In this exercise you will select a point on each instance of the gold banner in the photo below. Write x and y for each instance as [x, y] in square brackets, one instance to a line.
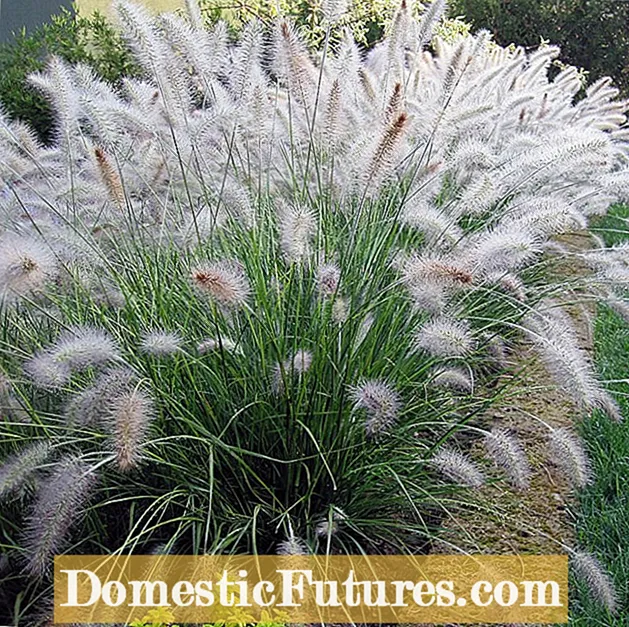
[313, 589]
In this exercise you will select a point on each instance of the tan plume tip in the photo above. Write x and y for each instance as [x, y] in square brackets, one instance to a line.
[111, 178]
[224, 281]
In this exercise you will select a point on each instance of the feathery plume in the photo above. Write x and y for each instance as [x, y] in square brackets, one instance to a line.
[297, 227]
[194, 14]
[75, 350]
[214, 344]
[425, 267]
[381, 403]
[429, 296]
[6, 386]
[606, 403]
[333, 10]
[328, 279]
[568, 364]
[298, 364]
[110, 177]
[458, 468]
[326, 527]
[502, 250]
[443, 337]
[455, 379]
[27, 266]
[507, 453]
[224, 281]
[497, 351]
[292, 546]
[395, 104]
[61, 498]
[569, 455]
[161, 343]
[593, 574]
[129, 419]
[429, 20]
[363, 330]
[437, 225]
[383, 154]
[89, 407]
[17, 469]
[291, 62]
[340, 310]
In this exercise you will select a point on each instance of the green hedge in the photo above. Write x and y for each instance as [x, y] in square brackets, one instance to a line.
[92, 40]
[593, 34]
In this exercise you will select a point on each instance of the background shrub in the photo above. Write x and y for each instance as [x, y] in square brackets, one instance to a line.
[592, 35]
[76, 39]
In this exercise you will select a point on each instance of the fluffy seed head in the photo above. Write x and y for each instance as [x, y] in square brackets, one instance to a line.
[340, 310]
[503, 250]
[297, 228]
[592, 573]
[296, 365]
[18, 468]
[606, 403]
[333, 10]
[89, 407]
[111, 178]
[215, 344]
[129, 420]
[161, 343]
[421, 268]
[326, 527]
[5, 386]
[458, 468]
[455, 379]
[75, 350]
[26, 267]
[300, 362]
[225, 282]
[443, 337]
[568, 364]
[292, 546]
[328, 279]
[507, 453]
[429, 296]
[568, 454]
[381, 404]
[60, 500]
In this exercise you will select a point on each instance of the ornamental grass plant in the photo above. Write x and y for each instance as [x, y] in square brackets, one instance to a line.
[257, 299]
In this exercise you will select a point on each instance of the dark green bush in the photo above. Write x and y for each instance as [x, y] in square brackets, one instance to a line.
[92, 40]
[593, 34]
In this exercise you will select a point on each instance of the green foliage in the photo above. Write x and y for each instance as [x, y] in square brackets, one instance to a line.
[592, 35]
[603, 523]
[91, 40]
[367, 18]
